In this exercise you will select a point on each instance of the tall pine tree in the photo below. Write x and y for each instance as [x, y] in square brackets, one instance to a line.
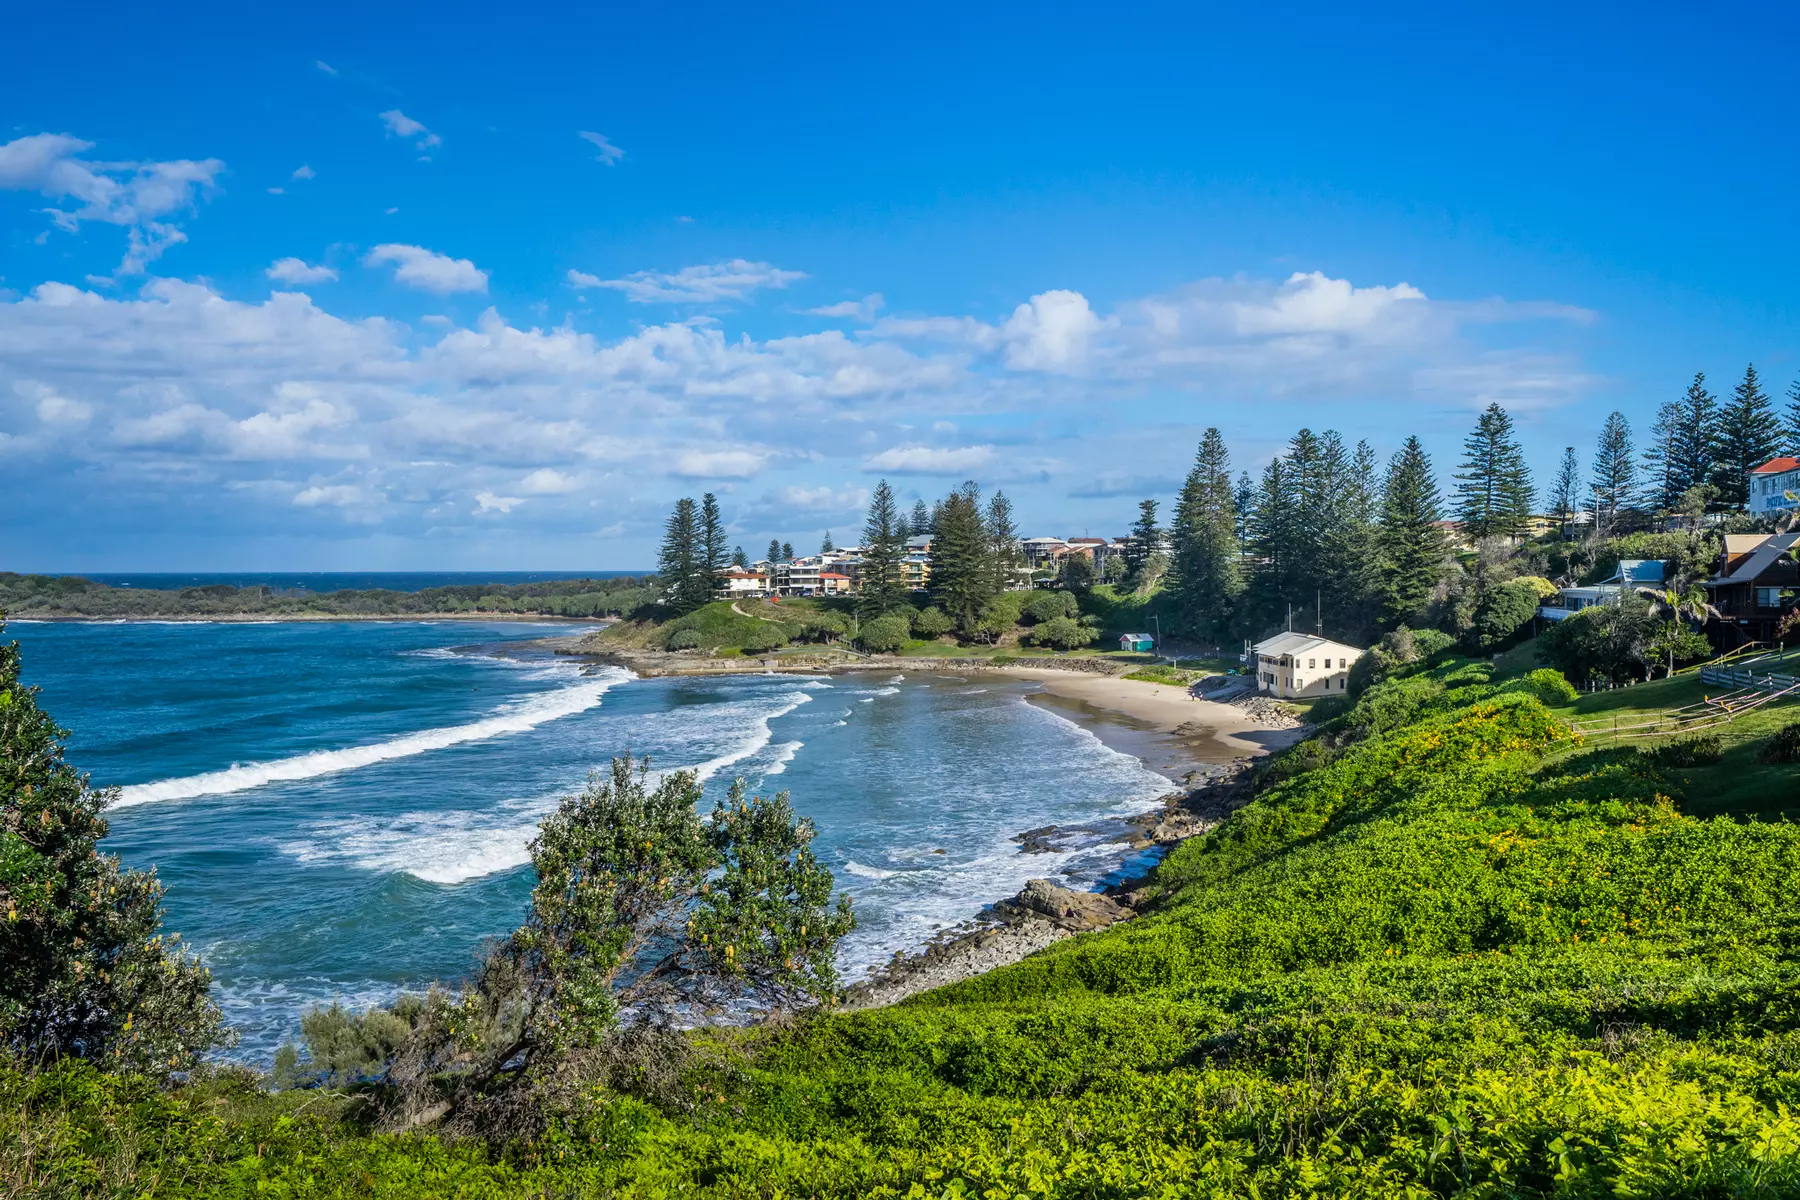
[1749, 436]
[1662, 486]
[961, 578]
[1413, 549]
[1566, 491]
[1614, 474]
[677, 565]
[1271, 528]
[1349, 584]
[1142, 544]
[1004, 555]
[1493, 488]
[1696, 440]
[881, 589]
[921, 518]
[1206, 578]
[774, 551]
[1793, 418]
[711, 555]
[1243, 500]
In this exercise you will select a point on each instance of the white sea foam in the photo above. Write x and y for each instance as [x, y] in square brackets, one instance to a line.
[758, 737]
[852, 867]
[436, 847]
[784, 754]
[516, 717]
[886, 691]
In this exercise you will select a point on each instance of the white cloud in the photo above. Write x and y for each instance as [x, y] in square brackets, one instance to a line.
[931, 460]
[277, 191]
[719, 464]
[582, 279]
[1052, 332]
[325, 66]
[822, 499]
[340, 495]
[548, 481]
[427, 270]
[857, 310]
[52, 407]
[489, 502]
[607, 152]
[304, 172]
[1313, 303]
[135, 195]
[731, 280]
[294, 270]
[401, 125]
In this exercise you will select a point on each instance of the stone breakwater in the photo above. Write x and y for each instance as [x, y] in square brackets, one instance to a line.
[1043, 912]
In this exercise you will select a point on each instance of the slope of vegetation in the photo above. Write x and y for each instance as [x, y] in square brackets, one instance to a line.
[1448, 950]
[72, 596]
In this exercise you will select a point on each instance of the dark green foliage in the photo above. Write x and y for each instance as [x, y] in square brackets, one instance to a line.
[764, 635]
[1749, 434]
[1004, 556]
[884, 635]
[881, 589]
[824, 627]
[1061, 633]
[73, 596]
[1564, 500]
[931, 623]
[962, 573]
[1047, 606]
[682, 639]
[1205, 577]
[1663, 484]
[1695, 441]
[677, 564]
[1615, 473]
[1493, 489]
[1700, 750]
[1609, 642]
[85, 969]
[1412, 549]
[718, 626]
[1784, 747]
[1142, 543]
[1503, 615]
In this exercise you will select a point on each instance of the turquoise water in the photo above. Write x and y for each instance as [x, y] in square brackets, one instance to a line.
[342, 810]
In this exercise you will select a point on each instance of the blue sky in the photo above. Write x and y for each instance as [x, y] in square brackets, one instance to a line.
[446, 287]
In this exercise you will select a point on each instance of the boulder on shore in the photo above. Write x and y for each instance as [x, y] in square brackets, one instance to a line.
[1069, 909]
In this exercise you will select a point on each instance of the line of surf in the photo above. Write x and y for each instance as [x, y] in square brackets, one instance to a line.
[522, 716]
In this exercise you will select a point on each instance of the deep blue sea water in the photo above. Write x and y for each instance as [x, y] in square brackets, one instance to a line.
[341, 810]
[331, 581]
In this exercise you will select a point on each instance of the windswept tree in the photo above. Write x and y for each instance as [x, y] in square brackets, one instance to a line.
[1493, 487]
[85, 969]
[1413, 550]
[1749, 435]
[1566, 491]
[1145, 536]
[1205, 575]
[881, 589]
[1614, 474]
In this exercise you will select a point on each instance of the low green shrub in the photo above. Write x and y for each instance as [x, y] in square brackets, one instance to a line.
[1047, 606]
[1061, 633]
[932, 622]
[1784, 747]
[766, 636]
[683, 639]
[1700, 750]
[884, 635]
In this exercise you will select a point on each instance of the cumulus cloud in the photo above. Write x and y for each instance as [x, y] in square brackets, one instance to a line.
[294, 270]
[822, 499]
[304, 172]
[606, 151]
[135, 195]
[731, 280]
[401, 125]
[427, 270]
[856, 310]
[548, 481]
[582, 279]
[931, 460]
[489, 502]
[719, 464]
[1052, 332]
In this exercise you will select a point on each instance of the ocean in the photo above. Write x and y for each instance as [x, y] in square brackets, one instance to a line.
[341, 811]
[331, 581]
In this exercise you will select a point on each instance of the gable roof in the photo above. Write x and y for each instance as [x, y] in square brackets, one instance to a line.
[1777, 465]
[1298, 643]
[1760, 560]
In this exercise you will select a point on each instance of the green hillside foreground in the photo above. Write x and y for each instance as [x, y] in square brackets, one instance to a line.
[1468, 955]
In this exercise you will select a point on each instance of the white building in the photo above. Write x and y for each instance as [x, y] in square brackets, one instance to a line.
[1774, 485]
[739, 583]
[1300, 665]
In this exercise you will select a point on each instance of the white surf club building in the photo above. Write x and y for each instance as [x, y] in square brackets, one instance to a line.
[1300, 665]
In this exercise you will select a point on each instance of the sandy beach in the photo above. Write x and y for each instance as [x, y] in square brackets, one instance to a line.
[1170, 729]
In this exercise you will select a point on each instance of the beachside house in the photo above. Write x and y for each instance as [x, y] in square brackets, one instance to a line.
[1774, 486]
[834, 583]
[1758, 580]
[1629, 575]
[1296, 665]
[738, 582]
[1139, 642]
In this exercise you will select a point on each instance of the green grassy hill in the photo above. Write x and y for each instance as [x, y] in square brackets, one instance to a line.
[1466, 953]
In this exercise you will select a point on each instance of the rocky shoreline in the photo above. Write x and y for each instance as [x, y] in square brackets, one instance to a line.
[1043, 912]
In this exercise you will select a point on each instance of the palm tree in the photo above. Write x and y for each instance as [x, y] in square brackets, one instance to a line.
[1675, 606]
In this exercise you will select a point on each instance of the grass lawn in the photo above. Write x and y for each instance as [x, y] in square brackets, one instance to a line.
[1738, 784]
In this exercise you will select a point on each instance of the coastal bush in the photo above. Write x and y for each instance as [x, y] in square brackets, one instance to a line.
[1047, 606]
[1700, 750]
[1503, 614]
[1784, 747]
[766, 636]
[1061, 633]
[931, 623]
[884, 635]
[683, 639]
[85, 968]
[824, 627]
